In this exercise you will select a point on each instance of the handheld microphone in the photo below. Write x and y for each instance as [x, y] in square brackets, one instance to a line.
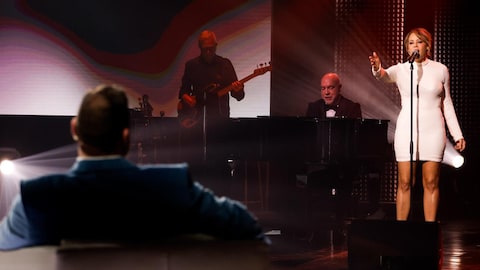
[415, 54]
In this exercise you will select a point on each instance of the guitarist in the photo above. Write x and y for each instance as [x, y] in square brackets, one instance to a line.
[203, 75]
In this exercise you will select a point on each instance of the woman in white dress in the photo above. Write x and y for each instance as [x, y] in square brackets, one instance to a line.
[432, 108]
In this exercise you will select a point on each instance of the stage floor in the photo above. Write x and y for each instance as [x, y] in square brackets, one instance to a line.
[327, 248]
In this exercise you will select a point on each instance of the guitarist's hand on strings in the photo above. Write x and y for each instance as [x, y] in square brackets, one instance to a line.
[237, 86]
[191, 101]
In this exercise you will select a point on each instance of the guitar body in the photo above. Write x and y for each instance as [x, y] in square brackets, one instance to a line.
[188, 115]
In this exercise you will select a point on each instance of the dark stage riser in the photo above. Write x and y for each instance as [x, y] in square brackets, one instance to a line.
[390, 244]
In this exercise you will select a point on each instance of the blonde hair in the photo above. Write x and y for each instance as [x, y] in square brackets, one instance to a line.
[424, 35]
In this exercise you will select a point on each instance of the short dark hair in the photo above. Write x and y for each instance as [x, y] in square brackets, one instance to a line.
[102, 117]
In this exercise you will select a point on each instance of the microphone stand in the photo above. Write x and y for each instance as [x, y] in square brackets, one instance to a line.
[411, 128]
[204, 127]
[206, 90]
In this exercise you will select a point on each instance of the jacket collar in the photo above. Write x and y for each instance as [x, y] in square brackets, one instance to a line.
[98, 163]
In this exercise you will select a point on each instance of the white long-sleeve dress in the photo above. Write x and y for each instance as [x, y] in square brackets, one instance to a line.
[432, 108]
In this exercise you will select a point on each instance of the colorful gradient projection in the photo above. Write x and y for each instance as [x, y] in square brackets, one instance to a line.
[51, 53]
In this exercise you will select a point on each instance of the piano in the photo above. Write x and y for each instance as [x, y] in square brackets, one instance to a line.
[325, 141]
[304, 155]
[274, 138]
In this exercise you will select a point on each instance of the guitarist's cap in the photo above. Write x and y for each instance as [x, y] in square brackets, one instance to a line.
[207, 37]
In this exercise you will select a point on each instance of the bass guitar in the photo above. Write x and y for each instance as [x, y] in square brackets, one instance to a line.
[188, 112]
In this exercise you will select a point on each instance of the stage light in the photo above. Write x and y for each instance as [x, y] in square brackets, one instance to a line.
[452, 157]
[458, 161]
[7, 166]
[8, 154]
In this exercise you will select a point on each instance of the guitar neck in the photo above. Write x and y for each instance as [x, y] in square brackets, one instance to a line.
[256, 72]
[229, 88]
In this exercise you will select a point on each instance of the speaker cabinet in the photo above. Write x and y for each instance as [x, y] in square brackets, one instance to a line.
[388, 244]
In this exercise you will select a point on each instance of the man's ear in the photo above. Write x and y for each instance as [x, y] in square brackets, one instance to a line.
[73, 128]
[126, 141]
[126, 135]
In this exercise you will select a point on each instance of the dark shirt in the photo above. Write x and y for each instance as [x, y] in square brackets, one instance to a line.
[202, 80]
[344, 108]
[200, 77]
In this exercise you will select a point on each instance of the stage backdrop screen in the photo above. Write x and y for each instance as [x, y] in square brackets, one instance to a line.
[52, 51]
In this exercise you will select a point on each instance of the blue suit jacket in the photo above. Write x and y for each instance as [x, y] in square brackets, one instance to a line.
[115, 200]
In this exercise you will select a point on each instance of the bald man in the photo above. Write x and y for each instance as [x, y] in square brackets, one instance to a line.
[332, 103]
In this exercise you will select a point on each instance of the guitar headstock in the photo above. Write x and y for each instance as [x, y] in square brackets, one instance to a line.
[263, 68]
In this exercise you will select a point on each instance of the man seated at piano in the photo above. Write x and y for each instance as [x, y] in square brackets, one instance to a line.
[332, 103]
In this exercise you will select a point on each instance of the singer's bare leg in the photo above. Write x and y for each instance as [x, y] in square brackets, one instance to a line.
[404, 189]
[431, 193]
